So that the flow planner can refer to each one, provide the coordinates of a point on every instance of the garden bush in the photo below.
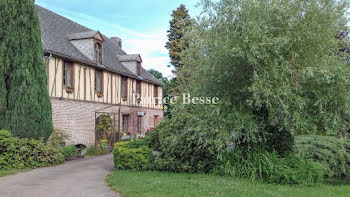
(57, 139)
(152, 140)
(132, 155)
(69, 152)
(189, 141)
(96, 150)
(331, 153)
(19, 153)
(269, 167)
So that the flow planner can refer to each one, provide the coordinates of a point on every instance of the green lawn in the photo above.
(8, 172)
(134, 183)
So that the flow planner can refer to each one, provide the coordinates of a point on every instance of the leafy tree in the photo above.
(179, 24)
(276, 70)
(163, 79)
(158, 75)
(25, 107)
(169, 85)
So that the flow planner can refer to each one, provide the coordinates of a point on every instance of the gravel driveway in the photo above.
(78, 178)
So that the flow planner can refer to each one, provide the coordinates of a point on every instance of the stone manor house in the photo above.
(89, 74)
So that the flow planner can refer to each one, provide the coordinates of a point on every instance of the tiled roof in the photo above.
(82, 35)
(57, 31)
(129, 57)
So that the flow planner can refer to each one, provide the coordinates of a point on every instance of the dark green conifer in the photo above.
(25, 107)
(179, 23)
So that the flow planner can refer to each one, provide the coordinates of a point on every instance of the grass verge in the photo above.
(8, 172)
(137, 184)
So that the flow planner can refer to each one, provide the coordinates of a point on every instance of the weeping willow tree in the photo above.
(25, 107)
(278, 67)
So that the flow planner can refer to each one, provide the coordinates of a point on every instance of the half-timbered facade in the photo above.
(88, 73)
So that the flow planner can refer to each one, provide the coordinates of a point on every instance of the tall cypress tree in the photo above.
(3, 91)
(179, 23)
(25, 107)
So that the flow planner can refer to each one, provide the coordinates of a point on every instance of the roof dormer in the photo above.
(133, 62)
(89, 43)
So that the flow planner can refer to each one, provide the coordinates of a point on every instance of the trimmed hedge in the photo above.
(132, 155)
(331, 153)
(19, 153)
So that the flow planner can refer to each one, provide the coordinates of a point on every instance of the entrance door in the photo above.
(125, 123)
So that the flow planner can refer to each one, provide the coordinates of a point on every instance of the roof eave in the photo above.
(95, 65)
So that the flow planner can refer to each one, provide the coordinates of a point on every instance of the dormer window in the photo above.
(98, 53)
(133, 62)
(90, 44)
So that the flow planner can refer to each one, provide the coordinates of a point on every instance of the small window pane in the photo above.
(67, 81)
(68, 76)
(98, 81)
(155, 92)
(98, 53)
(124, 88)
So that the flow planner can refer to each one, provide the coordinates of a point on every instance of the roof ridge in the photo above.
(54, 13)
(54, 39)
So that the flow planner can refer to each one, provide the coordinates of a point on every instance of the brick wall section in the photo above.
(77, 118)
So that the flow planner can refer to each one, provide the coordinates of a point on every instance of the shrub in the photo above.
(152, 140)
(125, 139)
(137, 143)
(266, 166)
(189, 141)
(69, 152)
(57, 139)
(104, 126)
(132, 155)
(16, 153)
(96, 150)
(331, 153)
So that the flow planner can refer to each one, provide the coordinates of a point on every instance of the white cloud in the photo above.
(152, 50)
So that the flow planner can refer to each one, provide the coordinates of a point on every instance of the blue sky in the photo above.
(141, 24)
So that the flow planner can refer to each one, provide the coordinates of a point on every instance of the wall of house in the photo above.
(74, 113)
(84, 86)
(77, 118)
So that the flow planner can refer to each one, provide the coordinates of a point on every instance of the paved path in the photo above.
(78, 178)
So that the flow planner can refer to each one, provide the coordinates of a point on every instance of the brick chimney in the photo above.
(117, 41)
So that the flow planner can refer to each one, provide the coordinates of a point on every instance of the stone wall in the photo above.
(77, 118)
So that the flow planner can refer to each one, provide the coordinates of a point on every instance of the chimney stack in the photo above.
(117, 41)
